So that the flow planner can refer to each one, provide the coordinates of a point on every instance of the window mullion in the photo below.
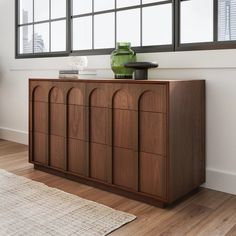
(215, 21)
(176, 24)
(141, 23)
(50, 30)
(33, 28)
(92, 24)
(69, 26)
(115, 23)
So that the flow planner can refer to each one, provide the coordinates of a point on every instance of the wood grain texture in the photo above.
(153, 133)
(76, 122)
(39, 94)
(154, 100)
(208, 212)
(98, 95)
(124, 171)
(152, 174)
(99, 162)
(56, 95)
(57, 152)
(40, 148)
(76, 157)
(76, 97)
(41, 117)
(99, 125)
(125, 128)
(186, 136)
(57, 119)
(125, 99)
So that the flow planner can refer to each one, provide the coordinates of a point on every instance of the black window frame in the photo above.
(140, 49)
(201, 45)
(176, 45)
(43, 54)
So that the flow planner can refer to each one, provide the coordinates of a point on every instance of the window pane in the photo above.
(82, 33)
(41, 37)
(226, 20)
(125, 3)
(104, 31)
(25, 11)
(196, 21)
(82, 6)
(58, 36)
(58, 8)
(25, 39)
(152, 1)
(101, 5)
(41, 10)
(163, 30)
(128, 26)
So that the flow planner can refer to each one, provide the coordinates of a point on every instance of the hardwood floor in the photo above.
(208, 212)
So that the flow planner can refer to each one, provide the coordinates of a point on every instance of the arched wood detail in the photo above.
(98, 98)
(75, 97)
(56, 95)
(123, 100)
(38, 94)
(151, 101)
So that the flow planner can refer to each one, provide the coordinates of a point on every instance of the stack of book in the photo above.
(69, 74)
(76, 74)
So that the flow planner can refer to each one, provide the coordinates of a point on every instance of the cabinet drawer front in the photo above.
(125, 97)
(125, 164)
(100, 162)
(153, 98)
(39, 147)
(57, 119)
(76, 94)
(57, 152)
(152, 133)
(76, 122)
(56, 95)
(39, 91)
(40, 116)
(76, 157)
(98, 125)
(152, 171)
(125, 129)
(98, 95)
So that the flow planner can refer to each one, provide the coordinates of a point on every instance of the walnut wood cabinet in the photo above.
(142, 139)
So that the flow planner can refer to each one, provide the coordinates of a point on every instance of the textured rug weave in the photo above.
(29, 208)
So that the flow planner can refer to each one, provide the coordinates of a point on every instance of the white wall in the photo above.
(218, 68)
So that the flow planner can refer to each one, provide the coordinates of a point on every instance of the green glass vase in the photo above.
(119, 57)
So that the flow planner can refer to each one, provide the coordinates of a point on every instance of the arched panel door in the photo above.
(125, 141)
(99, 135)
(76, 132)
(152, 141)
(57, 126)
(39, 124)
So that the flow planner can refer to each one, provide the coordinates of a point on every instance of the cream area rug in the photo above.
(29, 208)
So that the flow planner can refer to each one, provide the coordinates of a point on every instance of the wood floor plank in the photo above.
(232, 231)
(219, 223)
(207, 213)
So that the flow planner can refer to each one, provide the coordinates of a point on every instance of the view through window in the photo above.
(50, 27)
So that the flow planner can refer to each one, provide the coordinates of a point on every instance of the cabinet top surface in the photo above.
(102, 80)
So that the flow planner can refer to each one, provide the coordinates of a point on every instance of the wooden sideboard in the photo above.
(141, 139)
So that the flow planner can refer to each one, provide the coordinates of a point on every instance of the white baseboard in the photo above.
(221, 180)
(17, 136)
